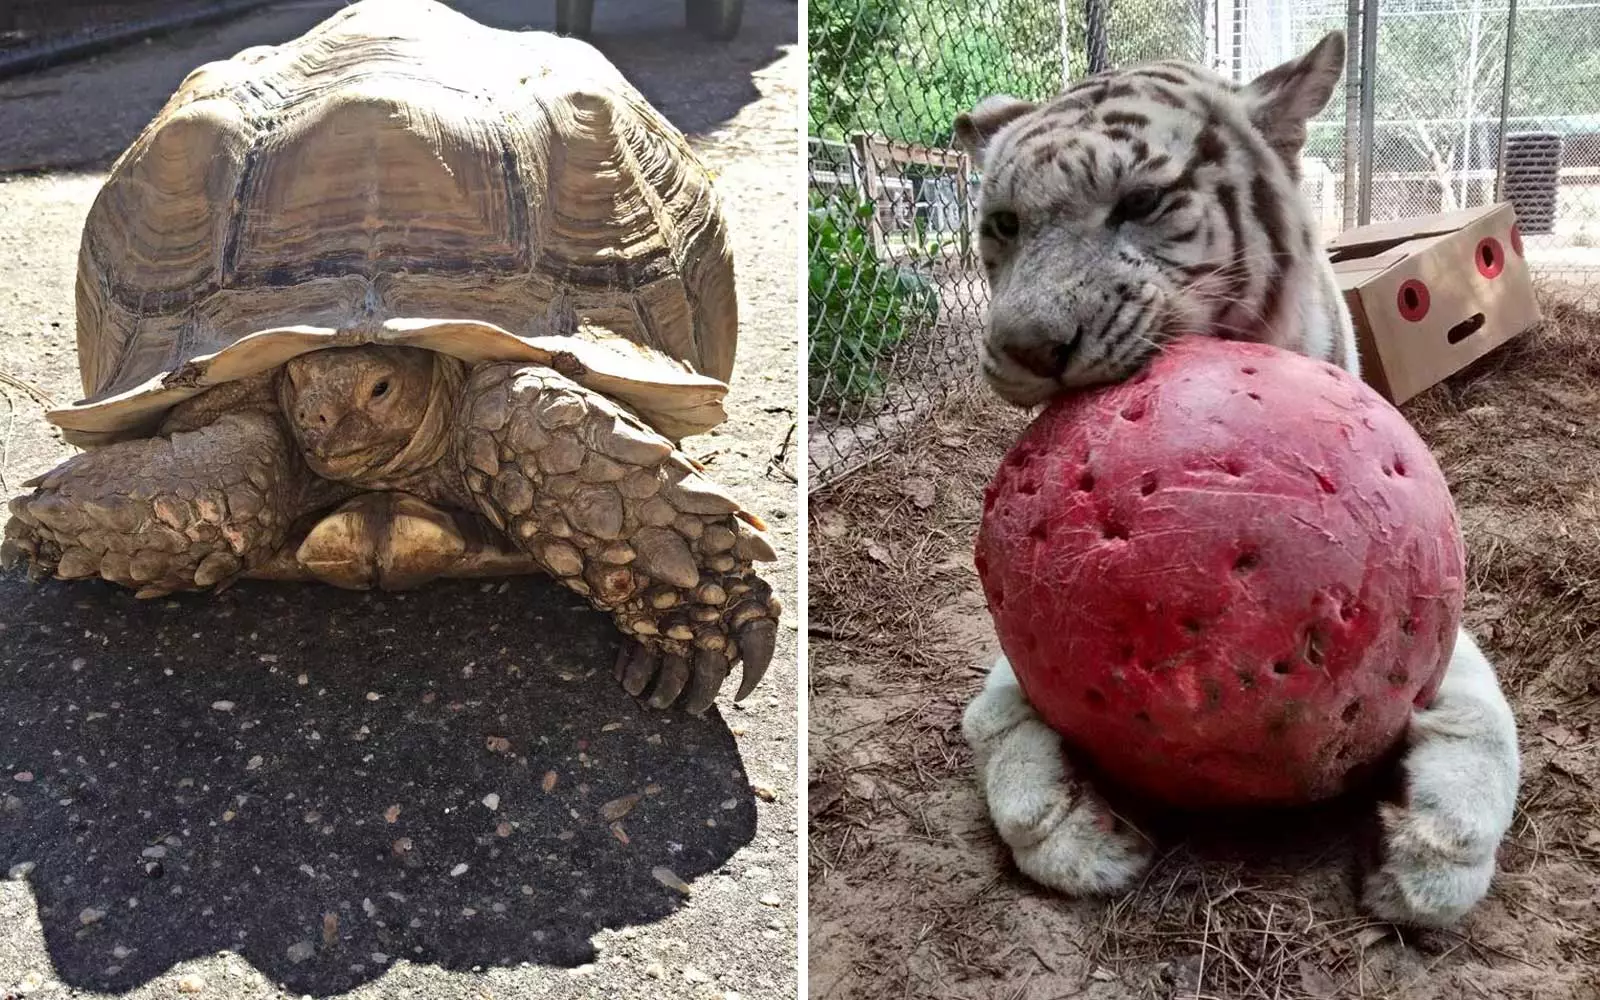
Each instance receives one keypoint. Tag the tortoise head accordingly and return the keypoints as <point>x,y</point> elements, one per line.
<point>363,415</point>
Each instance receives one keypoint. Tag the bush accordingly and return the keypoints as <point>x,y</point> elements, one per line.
<point>860,307</point>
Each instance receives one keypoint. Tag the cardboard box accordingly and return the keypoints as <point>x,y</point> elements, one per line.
<point>1433,294</point>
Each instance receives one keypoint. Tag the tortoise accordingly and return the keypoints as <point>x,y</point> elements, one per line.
<point>405,298</point>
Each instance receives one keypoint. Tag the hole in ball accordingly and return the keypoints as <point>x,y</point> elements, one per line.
<point>1114,531</point>
<point>1282,668</point>
<point>1248,370</point>
<point>1399,467</point>
<point>1351,711</point>
<point>1135,410</point>
<point>1040,532</point>
<point>1142,717</point>
<point>1095,699</point>
<point>1086,482</point>
<point>1325,484</point>
<point>1246,561</point>
<point>1254,395</point>
<point>1147,485</point>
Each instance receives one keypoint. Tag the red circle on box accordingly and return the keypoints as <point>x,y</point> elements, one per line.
<point>1516,239</point>
<point>1412,300</point>
<point>1491,259</point>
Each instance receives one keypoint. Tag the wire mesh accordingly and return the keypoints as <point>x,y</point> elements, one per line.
<point>896,293</point>
<point>1431,119</point>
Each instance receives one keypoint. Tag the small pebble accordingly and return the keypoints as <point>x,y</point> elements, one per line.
<point>492,801</point>
<point>191,984</point>
<point>20,870</point>
<point>498,744</point>
<point>90,915</point>
<point>300,951</point>
<point>694,975</point>
<point>222,706</point>
<point>391,814</point>
<point>373,696</point>
<point>158,851</point>
<point>549,782</point>
<point>23,776</point>
<point>459,870</point>
<point>771,899</point>
<point>254,763</point>
<point>764,791</point>
<point>670,879</point>
<point>655,970</point>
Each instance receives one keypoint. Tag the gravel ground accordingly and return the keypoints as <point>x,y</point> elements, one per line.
<point>295,790</point>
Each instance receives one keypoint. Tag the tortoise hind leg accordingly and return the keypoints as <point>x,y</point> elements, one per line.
<point>160,514</point>
<point>615,512</point>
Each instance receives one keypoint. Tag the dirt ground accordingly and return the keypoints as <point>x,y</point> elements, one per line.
<point>159,843</point>
<point>910,892</point>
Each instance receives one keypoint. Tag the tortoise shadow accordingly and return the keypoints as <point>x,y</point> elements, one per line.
<point>62,118</point>
<point>315,779</point>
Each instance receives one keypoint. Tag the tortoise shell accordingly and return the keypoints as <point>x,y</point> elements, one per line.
<point>403,174</point>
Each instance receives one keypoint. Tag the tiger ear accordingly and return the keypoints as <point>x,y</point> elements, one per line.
<point>1284,98</point>
<point>975,128</point>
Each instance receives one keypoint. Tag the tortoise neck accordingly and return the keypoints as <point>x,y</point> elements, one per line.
<point>431,442</point>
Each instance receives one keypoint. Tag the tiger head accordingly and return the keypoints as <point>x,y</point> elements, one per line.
<point>1141,204</point>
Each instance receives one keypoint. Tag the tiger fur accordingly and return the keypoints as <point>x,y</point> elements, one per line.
<point>1143,204</point>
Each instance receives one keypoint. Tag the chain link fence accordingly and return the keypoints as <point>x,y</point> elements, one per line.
<point>896,292</point>
<point>1464,101</point>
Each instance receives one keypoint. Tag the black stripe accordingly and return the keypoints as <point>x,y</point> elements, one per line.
<point>1269,213</point>
<point>1165,76</point>
<point>1162,95</point>
<point>1125,118</point>
<point>1238,279</point>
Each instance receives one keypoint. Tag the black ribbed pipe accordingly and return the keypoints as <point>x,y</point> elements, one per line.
<point>82,44</point>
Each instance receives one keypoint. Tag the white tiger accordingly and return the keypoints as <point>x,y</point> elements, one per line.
<point>1142,203</point>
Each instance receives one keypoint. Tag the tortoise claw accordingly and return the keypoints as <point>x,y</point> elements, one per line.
<point>756,643</point>
<point>670,681</point>
<point>640,668</point>
<point>710,670</point>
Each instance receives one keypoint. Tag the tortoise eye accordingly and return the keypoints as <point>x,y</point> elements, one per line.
<point>380,389</point>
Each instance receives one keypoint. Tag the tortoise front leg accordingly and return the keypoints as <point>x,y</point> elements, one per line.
<point>615,512</point>
<point>161,514</point>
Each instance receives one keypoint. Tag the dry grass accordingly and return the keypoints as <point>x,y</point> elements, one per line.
<point>912,896</point>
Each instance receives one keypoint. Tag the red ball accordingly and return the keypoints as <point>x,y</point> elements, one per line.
<point>1227,580</point>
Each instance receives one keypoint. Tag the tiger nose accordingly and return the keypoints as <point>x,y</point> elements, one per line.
<point>1043,354</point>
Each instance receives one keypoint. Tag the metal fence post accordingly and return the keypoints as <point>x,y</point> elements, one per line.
<point>1352,110</point>
<point>1369,82</point>
<point>1505,102</point>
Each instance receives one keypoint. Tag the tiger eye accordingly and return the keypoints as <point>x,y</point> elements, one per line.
<point>1136,205</point>
<point>1002,225</point>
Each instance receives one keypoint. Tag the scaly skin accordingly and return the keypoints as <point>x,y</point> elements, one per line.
<point>166,513</point>
<point>618,514</point>
<point>605,504</point>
